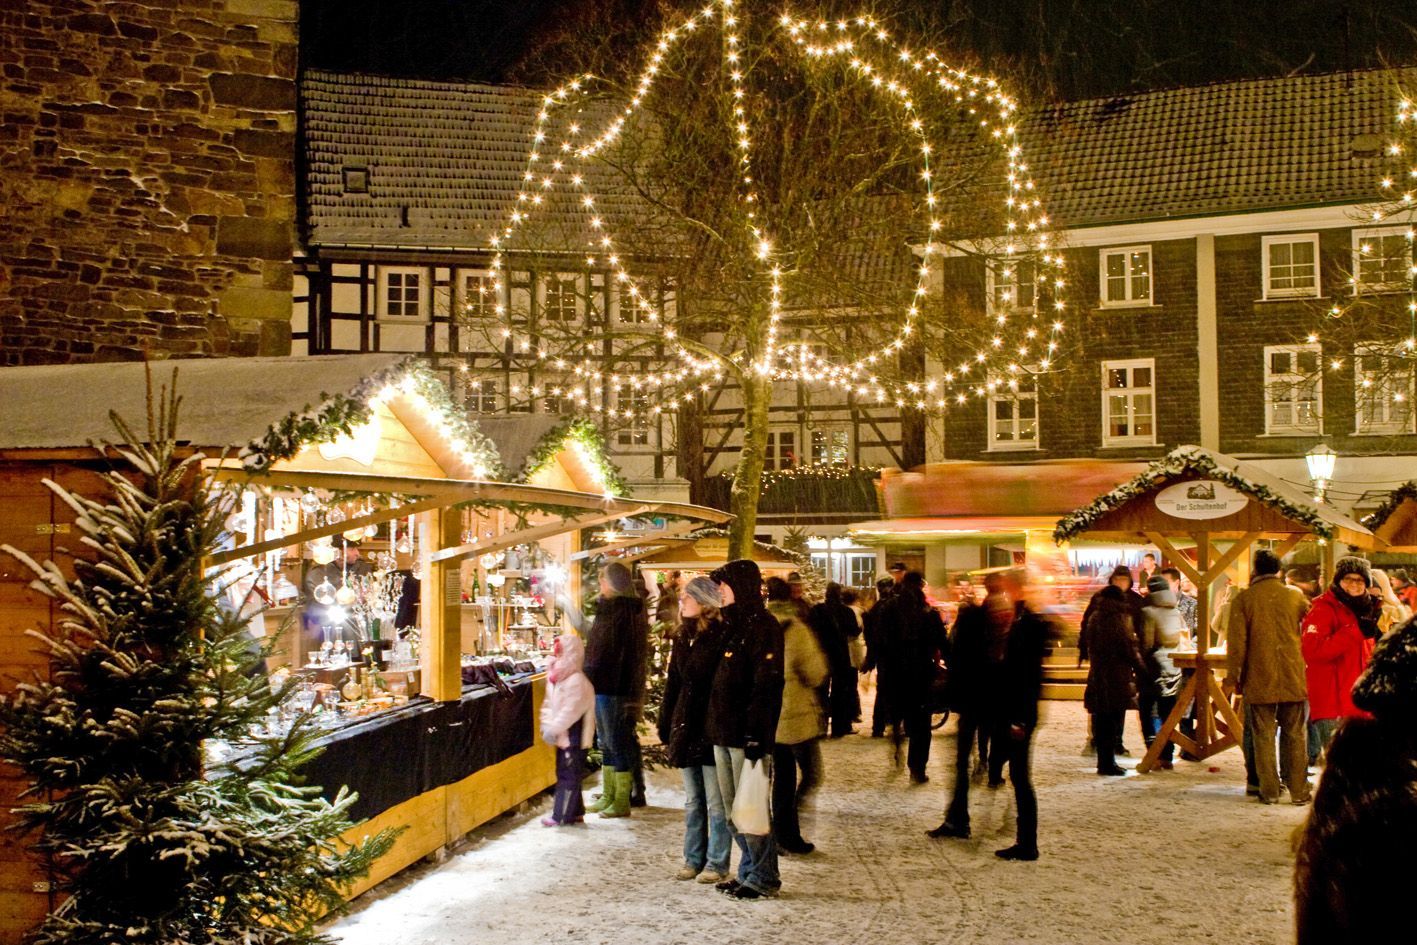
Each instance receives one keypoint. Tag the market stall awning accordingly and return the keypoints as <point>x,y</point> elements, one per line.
<point>972,529</point>
<point>971,490</point>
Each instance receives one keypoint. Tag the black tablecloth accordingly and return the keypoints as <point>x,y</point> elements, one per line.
<point>404,752</point>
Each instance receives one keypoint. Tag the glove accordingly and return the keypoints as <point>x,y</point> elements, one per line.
<point>753,751</point>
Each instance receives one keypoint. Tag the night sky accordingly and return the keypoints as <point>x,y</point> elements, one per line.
<point>1052,48</point>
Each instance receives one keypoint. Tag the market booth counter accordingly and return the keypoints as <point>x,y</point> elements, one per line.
<point>1216,508</point>
<point>422,710</point>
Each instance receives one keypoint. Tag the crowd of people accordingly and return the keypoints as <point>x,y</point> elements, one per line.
<point>758,676</point>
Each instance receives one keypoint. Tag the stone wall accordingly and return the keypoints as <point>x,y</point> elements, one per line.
<point>147,176</point>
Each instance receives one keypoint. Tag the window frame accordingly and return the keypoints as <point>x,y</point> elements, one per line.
<point>1293,429</point>
<point>772,451</point>
<point>1126,252</point>
<point>578,306</point>
<point>479,389</point>
<point>1387,427</point>
<point>1130,365</point>
<point>643,302</point>
<point>1267,289</point>
<point>461,287</point>
<point>381,298</point>
<point>1002,391</point>
<point>1359,235</point>
<point>991,288</point>
<point>831,431</point>
<point>636,429</point>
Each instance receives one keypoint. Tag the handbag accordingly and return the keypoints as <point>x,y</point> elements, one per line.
<point>750,800</point>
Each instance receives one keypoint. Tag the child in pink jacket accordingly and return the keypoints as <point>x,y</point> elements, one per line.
<point>568,724</point>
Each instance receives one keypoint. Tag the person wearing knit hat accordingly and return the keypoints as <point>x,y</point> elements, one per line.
<point>1353,872</point>
<point>617,659</point>
<point>1121,579</point>
<point>683,716</point>
<point>1338,634</point>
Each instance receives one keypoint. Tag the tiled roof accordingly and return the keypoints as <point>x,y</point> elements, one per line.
<point>444,159</point>
<point>1233,147</point>
<point>453,154</point>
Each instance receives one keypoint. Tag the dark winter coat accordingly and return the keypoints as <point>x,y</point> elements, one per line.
<point>617,647</point>
<point>974,673</point>
<point>834,624</point>
<point>911,637</point>
<point>1021,676</point>
<point>1161,627</point>
<point>1109,640</point>
<point>747,687</point>
<point>684,712</point>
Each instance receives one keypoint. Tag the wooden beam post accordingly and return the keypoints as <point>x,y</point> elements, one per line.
<point>440,608</point>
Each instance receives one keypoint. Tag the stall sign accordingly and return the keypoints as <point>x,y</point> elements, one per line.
<point>1200,499</point>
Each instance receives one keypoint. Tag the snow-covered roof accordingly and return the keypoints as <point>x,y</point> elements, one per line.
<point>226,402</point>
<point>1248,478</point>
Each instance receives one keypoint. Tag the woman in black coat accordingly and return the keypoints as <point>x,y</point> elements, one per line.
<point>911,639</point>
<point>1109,641</point>
<point>693,661</point>
<point>834,624</point>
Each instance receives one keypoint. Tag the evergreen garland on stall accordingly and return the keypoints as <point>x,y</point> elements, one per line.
<point>150,846</point>
<point>1401,494</point>
<point>584,432</point>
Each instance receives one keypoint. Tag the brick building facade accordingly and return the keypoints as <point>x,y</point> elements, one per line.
<point>148,177</point>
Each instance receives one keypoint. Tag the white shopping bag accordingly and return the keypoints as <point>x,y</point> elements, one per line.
<point>750,800</point>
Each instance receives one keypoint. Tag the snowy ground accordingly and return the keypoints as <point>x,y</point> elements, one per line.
<point>1122,861</point>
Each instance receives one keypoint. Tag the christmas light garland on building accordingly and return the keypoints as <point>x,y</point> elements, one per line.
<point>857,46</point>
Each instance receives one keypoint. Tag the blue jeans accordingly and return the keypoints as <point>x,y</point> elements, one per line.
<point>1320,734</point>
<point>708,842</point>
<point>615,730</point>
<point>757,855</point>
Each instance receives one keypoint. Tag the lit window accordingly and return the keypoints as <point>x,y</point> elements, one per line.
<point>1013,413</point>
<point>482,395</point>
<point>831,447</point>
<point>1383,389</point>
<point>1013,287</point>
<point>1128,403</point>
<point>861,569</point>
<point>479,295</point>
<point>401,293</point>
<point>1293,389</point>
<point>1382,259</point>
<point>781,450</point>
<point>634,309</point>
<point>1126,276</point>
<point>560,298</point>
<point>1291,266</point>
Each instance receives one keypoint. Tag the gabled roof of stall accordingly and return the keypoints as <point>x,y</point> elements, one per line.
<point>527,443</point>
<point>1196,461</point>
<point>1396,521</point>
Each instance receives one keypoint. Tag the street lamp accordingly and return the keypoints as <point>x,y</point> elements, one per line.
<point>1320,461</point>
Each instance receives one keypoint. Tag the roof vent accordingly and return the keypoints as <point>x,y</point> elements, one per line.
<point>1366,146</point>
<point>356,180</point>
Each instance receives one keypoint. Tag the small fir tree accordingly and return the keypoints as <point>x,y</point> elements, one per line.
<point>150,845</point>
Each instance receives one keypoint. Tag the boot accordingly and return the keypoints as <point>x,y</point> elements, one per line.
<point>620,802</point>
<point>607,791</point>
<point>637,794</point>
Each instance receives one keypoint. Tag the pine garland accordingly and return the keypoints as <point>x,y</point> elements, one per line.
<point>1185,459</point>
<point>150,845</point>
<point>1402,493</point>
<point>587,434</point>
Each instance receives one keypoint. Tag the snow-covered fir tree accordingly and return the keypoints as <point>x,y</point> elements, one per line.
<point>150,845</point>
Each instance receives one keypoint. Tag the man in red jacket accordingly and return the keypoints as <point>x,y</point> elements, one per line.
<point>1338,634</point>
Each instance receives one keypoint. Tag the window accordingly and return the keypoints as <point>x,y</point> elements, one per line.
<point>1013,414</point>
<point>401,292</point>
<point>1382,259</point>
<point>1383,389</point>
<point>1128,403</point>
<point>560,300</point>
<point>1126,276</point>
<point>831,447</point>
<point>1012,286</point>
<point>781,449</point>
<point>635,307</point>
<point>1292,389</point>
<point>634,405</point>
<point>480,295</point>
<point>861,569</point>
<point>1291,266</point>
<point>556,400</point>
<point>482,395</point>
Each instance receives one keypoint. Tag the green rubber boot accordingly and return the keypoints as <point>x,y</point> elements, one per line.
<point>624,782</point>
<point>607,791</point>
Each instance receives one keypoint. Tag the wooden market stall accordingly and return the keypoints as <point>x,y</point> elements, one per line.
<point>1394,524</point>
<point>1217,508</point>
<point>367,451</point>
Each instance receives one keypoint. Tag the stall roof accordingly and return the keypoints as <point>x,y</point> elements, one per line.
<point>1396,521</point>
<point>1293,513</point>
<point>998,491</point>
<point>226,402</point>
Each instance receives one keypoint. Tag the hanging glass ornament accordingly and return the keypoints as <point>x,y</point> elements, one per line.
<point>345,596</point>
<point>310,502</point>
<point>322,553</point>
<point>335,515</point>
<point>370,531</point>
<point>404,545</point>
<point>354,534</point>
<point>325,593</point>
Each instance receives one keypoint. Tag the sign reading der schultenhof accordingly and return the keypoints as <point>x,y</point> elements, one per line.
<point>1200,499</point>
